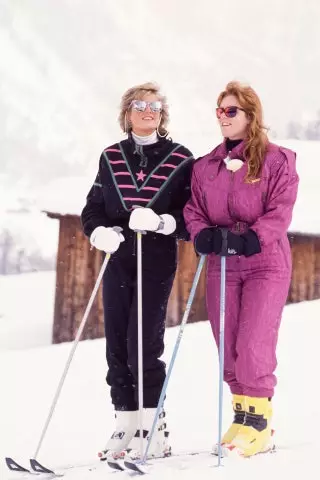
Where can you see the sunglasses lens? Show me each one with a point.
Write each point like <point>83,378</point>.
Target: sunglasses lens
<point>231,111</point>
<point>156,106</point>
<point>139,105</point>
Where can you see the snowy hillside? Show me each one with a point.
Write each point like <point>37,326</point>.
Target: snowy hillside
<point>84,418</point>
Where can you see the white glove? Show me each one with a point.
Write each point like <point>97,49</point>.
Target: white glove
<point>169,224</point>
<point>145,219</point>
<point>106,238</point>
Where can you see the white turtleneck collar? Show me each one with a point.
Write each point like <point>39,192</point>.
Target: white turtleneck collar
<point>147,140</point>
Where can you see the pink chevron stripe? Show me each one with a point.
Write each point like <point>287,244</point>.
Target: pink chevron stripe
<point>137,199</point>
<point>160,177</point>
<point>126,186</point>
<point>112,150</point>
<point>122,173</point>
<point>168,165</point>
<point>179,155</point>
<point>153,189</point>
<point>115,162</point>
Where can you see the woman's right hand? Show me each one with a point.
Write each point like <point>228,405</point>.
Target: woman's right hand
<point>205,241</point>
<point>106,239</point>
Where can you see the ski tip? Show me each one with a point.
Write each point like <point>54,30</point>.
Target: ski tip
<point>14,466</point>
<point>37,467</point>
<point>115,465</point>
<point>134,466</point>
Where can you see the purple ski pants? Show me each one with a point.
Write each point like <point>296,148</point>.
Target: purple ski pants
<point>255,298</point>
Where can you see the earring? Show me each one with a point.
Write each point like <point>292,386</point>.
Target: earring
<point>158,133</point>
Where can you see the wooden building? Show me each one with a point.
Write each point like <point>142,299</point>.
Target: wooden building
<point>78,268</point>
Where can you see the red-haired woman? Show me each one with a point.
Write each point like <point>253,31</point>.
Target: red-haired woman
<point>249,186</point>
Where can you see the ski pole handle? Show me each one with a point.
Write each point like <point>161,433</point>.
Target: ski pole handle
<point>224,247</point>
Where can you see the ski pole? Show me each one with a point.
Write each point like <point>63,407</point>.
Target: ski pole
<point>75,343</point>
<point>140,338</point>
<point>175,351</point>
<point>224,252</point>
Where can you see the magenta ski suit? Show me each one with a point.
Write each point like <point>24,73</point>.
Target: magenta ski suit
<point>256,286</point>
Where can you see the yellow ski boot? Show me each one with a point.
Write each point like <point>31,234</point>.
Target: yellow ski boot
<point>238,420</point>
<point>239,415</point>
<point>255,435</point>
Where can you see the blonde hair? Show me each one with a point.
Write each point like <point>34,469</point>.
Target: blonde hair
<point>256,140</point>
<point>137,93</point>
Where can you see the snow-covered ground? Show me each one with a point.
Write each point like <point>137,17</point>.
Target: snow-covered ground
<point>26,310</point>
<point>84,418</point>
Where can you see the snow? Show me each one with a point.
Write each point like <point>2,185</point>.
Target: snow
<point>26,310</point>
<point>306,213</point>
<point>84,418</point>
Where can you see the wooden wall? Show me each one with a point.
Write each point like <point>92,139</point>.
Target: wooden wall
<point>187,266</point>
<point>305,282</point>
<point>78,268</point>
<point>76,274</point>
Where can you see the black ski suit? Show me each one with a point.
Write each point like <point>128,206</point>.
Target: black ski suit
<point>156,176</point>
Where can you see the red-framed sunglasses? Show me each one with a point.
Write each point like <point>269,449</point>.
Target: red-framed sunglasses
<point>229,112</point>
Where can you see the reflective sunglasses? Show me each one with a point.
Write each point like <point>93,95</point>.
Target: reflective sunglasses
<point>229,112</point>
<point>141,105</point>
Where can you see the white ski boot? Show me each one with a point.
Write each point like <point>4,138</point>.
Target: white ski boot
<point>159,447</point>
<point>126,427</point>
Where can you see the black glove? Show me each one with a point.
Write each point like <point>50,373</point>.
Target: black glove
<point>205,241</point>
<point>251,243</point>
<point>209,240</point>
<point>235,244</point>
<point>246,244</point>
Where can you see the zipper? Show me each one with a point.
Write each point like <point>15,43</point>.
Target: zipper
<point>143,158</point>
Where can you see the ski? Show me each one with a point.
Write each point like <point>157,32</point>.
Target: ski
<point>129,464</point>
<point>136,466</point>
<point>116,465</point>
<point>35,469</point>
<point>114,462</point>
<point>38,468</point>
<point>15,467</point>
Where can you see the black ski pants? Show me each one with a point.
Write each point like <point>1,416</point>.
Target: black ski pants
<point>120,318</point>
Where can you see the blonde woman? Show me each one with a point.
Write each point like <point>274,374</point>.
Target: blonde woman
<point>148,170</point>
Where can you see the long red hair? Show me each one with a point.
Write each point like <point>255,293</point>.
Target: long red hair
<point>256,140</point>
